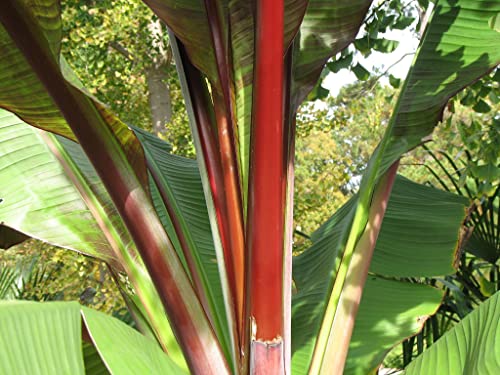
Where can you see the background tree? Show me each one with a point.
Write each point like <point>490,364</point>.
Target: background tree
<point>120,50</point>
<point>335,139</point>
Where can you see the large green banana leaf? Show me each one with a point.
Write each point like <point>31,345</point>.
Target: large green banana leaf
<point>135,354</point>
<point>402,251</point>
<point>40,338</point>
<point>46,338</point>
<point>179,176</point>
<point>457,48</point>
<point>38,198</point>
<point>471,347</point>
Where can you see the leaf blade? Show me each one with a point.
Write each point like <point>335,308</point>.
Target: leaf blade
<point>470,347</point>
<point>40,338</point>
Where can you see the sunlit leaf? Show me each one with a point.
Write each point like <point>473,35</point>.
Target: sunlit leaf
<point>471,347</point>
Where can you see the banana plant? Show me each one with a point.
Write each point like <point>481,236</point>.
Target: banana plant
<point>206,245</point>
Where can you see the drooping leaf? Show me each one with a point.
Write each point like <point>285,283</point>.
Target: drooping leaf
<point>471,347</point>
<point>408,215</point>
<point>327,28</point>
<point>23,93</point>
<point>20,90</point>
<point>456,61</point>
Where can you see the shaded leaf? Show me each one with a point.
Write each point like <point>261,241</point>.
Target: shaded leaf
<point>395,82</point>
<point>93,362</point>
<point>447,61</point>
<point>327,28</point>
<point>49,199</point>
<point>381,322</point>
<point>488,172</point>
<point>481,107</point>
<point>384,45</point>
<point>342,63</point>
<point>403,22</point>
<point>408,212</point>
<point>10,237</point>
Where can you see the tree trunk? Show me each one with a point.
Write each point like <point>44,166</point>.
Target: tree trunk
<point>159,93</point>
<point>159,99</point>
